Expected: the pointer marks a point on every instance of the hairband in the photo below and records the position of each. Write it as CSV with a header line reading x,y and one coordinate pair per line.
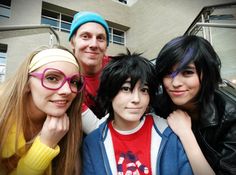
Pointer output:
x,y
51,55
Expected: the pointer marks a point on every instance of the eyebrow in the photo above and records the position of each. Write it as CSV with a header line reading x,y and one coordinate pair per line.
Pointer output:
x,y
90,33
84,32
143,84
127,81
190,67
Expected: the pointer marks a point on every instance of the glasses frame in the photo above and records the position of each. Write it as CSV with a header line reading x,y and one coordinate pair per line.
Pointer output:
x,y
66,79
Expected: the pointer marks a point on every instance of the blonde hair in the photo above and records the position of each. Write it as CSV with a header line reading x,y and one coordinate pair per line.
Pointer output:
x,y
13,111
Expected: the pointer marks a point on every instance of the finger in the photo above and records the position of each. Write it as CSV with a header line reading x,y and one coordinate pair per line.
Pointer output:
x,y
63,123
54,122
48,118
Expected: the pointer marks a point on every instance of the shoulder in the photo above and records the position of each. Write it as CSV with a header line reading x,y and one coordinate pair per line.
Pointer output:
x,y
159,123
225,103
106,60
98,134
161,126
168,138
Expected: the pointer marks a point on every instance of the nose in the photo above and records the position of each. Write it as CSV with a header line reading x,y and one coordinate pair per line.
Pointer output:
x,y
176,81
135,96
65,89
93,42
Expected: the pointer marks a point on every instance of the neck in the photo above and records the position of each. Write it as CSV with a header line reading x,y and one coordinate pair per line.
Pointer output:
x,y
125,126
35,120
192,110
91,69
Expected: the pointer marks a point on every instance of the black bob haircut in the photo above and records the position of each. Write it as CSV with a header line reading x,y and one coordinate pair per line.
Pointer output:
x,y
118,70
188,49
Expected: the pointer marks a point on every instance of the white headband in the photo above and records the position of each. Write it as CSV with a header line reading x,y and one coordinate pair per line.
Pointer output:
x,y
51,55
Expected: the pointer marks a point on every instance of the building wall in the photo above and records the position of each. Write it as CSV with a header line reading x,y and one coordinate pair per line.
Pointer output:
x,y
154,22
25,12
151,24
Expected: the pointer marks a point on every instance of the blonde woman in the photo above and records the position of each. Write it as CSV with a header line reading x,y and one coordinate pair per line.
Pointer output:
x,y
40,118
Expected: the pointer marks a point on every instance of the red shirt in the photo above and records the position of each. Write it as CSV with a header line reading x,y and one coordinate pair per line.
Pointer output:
x,y
133,151
91,87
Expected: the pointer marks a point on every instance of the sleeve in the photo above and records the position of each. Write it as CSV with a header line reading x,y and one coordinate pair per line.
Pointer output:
x,y
84,107
184,164
37,159
90,121
227,161
172,157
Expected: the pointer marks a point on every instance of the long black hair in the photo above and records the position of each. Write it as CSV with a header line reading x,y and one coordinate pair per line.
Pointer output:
x,y
184,50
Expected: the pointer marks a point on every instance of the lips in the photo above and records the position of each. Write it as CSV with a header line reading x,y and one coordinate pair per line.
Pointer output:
x,y
177,93
60,103
92,53
133,107
133,110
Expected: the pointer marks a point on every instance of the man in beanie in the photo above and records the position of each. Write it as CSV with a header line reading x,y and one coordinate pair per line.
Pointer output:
x,y
89,38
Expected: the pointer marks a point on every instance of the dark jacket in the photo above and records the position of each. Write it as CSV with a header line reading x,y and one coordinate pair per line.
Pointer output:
x,y
216,133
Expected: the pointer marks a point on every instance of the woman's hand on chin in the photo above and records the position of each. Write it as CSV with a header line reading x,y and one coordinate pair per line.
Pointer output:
x,y
54,129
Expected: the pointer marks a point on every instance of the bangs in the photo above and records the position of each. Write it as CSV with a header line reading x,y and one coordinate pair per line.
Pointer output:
x,y
184,60
175,55
136,75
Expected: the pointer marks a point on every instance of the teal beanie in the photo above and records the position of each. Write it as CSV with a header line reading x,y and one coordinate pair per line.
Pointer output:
x,y
83,17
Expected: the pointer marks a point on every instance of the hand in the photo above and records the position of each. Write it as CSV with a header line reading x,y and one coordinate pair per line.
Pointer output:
x,y
54,129
180,122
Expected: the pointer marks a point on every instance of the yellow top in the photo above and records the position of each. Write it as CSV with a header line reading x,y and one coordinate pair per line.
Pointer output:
x,y
35,161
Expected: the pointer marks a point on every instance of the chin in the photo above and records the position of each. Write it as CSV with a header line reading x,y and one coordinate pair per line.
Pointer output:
x,y
57,114
179,103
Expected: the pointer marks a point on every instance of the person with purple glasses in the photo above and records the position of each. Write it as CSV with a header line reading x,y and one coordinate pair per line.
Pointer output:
x,y
40,115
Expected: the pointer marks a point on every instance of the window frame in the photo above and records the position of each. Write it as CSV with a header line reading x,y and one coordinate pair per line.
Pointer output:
x,y
59,20
113,36
5,9
3,61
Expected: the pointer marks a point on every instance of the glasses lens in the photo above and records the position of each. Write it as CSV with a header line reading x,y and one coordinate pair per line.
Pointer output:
x,y
76,83
53,79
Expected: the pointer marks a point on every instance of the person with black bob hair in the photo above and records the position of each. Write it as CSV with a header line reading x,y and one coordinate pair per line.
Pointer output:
x,y
188,69
131,140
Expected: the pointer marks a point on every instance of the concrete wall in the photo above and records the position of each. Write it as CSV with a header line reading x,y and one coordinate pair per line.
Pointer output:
x,y
151,24
25,12
154,22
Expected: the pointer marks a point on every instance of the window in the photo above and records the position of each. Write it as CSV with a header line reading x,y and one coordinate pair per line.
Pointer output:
x,y
56,19
3,56
123,1
117,36
5,7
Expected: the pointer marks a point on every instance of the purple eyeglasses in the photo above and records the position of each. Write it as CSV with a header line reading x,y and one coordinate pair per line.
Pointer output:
x,y
54,79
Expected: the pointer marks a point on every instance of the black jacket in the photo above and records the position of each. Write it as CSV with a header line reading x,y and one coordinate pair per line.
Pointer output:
x,y
216,133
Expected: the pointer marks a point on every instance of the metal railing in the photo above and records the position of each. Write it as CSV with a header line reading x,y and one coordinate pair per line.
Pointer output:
x,y
202,20
217,24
